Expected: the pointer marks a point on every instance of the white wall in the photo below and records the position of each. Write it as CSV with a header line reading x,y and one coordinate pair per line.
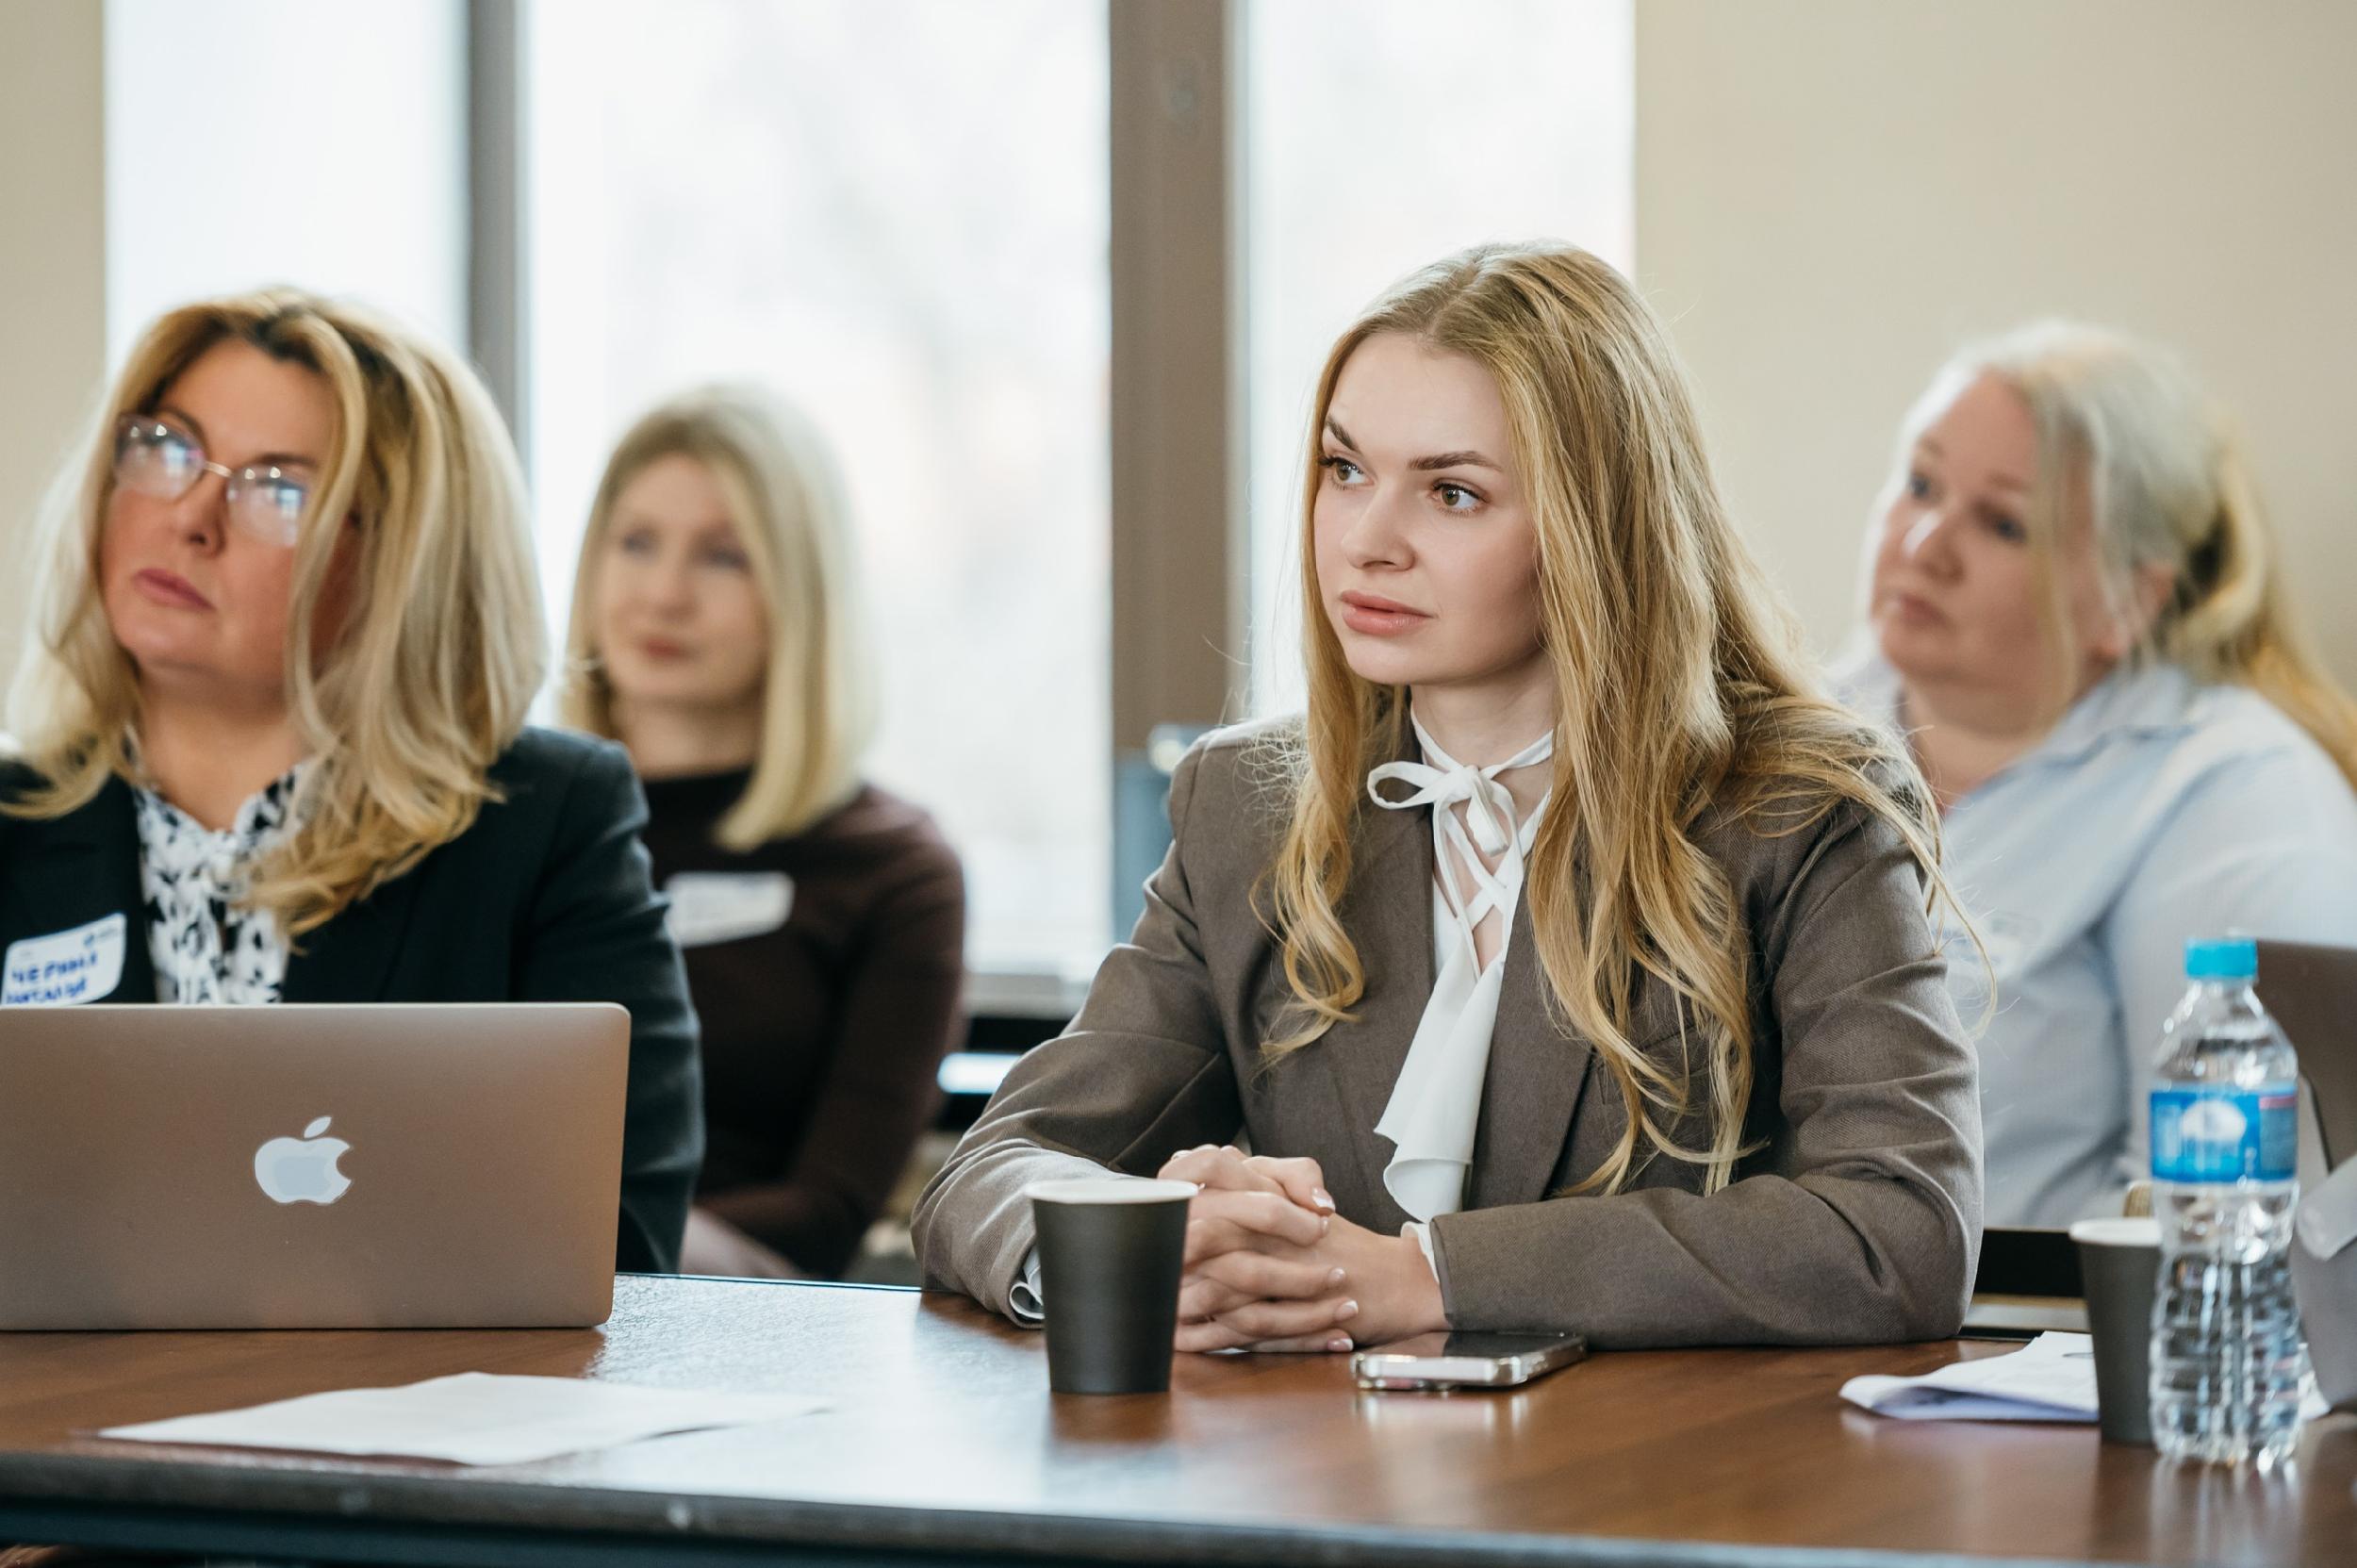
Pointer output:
x,y
53,261
256,141
1832,193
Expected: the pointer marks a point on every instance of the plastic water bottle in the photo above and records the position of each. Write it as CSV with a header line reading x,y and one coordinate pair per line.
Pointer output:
x,y
2226,1352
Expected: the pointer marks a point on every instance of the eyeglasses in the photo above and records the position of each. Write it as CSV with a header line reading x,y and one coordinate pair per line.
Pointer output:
x,y
157,457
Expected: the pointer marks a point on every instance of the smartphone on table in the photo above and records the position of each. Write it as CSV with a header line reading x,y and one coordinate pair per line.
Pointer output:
x,y
1465,1361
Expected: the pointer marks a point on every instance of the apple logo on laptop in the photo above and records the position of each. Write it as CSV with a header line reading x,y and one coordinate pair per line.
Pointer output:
x,y
303,1170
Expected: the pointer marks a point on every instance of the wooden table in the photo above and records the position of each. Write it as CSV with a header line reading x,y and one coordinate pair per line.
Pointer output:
x,y
945,1445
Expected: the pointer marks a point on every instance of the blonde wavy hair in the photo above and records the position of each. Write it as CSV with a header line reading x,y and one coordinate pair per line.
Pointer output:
x,y
2129,443
427,679
785,498
1681,695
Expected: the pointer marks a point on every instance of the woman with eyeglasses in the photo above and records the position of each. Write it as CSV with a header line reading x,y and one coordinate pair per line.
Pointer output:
x,y
270,709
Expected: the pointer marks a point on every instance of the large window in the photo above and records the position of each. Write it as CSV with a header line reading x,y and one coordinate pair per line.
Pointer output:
x,y
243,150
895,213
899,213
1380,135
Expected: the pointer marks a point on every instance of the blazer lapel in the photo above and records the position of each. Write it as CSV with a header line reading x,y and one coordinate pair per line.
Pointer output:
x,y
81,867
1387,913
1531,1094
350,958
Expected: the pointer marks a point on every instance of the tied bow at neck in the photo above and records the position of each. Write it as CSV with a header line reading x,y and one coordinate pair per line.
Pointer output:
x,y
1445,783
1436,1104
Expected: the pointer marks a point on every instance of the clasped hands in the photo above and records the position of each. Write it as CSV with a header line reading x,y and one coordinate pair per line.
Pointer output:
x,y
1271,1266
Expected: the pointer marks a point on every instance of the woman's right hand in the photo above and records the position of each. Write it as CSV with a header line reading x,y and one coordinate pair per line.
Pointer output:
x,y
1250,1232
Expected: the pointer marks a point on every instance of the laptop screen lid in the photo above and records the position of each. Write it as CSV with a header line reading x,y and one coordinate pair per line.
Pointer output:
x,y
2312,990
303,1165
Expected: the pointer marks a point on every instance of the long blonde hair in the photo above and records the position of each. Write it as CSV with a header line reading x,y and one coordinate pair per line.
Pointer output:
x,y
428,677
2127,438
1681,692
786,500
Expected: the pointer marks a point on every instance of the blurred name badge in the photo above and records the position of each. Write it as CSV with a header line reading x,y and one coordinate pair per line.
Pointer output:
x,y
64,967
727,906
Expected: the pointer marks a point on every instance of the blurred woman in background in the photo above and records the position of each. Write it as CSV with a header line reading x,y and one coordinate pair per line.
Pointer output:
x,y
717,634
2075,616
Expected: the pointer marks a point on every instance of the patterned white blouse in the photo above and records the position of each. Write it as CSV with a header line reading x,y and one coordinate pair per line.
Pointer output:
x,y
206,948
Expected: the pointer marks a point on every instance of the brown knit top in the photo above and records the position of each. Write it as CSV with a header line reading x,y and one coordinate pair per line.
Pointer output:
x,y
823,1035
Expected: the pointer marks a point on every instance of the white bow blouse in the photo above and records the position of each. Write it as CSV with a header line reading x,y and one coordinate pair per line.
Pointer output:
x,y
1436,1104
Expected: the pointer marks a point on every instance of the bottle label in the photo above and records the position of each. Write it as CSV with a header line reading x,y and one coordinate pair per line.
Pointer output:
x,y
2223,1134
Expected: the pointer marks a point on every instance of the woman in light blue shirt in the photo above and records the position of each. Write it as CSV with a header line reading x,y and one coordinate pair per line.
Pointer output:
x,y
2075,616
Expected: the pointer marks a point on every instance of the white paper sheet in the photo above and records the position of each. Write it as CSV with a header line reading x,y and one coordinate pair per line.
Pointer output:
x,y
473,1418
2051,1379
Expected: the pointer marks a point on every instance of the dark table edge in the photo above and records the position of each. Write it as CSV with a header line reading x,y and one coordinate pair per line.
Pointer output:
x,y
406,1520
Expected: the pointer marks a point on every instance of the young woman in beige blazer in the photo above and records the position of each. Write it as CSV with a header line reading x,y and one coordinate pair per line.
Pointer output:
x,y
1568,964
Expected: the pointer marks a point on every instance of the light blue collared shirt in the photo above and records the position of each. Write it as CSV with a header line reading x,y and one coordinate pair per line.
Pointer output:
x,y
2156,810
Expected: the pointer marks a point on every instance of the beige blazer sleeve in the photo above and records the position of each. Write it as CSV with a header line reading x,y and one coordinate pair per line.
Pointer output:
x,y
1142,1072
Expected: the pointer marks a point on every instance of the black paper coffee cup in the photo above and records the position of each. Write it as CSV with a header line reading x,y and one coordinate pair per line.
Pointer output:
x,y
2120,1262
1111,1251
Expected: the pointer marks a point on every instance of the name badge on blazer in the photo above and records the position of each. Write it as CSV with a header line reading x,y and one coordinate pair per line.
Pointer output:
x,y
727,906
80,964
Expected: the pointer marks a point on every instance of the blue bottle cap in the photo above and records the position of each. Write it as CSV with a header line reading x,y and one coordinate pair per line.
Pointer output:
x,y
2222,958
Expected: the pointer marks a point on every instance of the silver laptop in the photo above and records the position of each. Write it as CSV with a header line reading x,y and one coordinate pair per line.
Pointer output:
x,y
306,1167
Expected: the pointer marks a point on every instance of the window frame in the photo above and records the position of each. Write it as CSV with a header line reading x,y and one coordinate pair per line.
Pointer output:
x,y
1179,591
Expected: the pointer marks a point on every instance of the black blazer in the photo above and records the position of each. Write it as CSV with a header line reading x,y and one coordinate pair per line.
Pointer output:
x,y
545,898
